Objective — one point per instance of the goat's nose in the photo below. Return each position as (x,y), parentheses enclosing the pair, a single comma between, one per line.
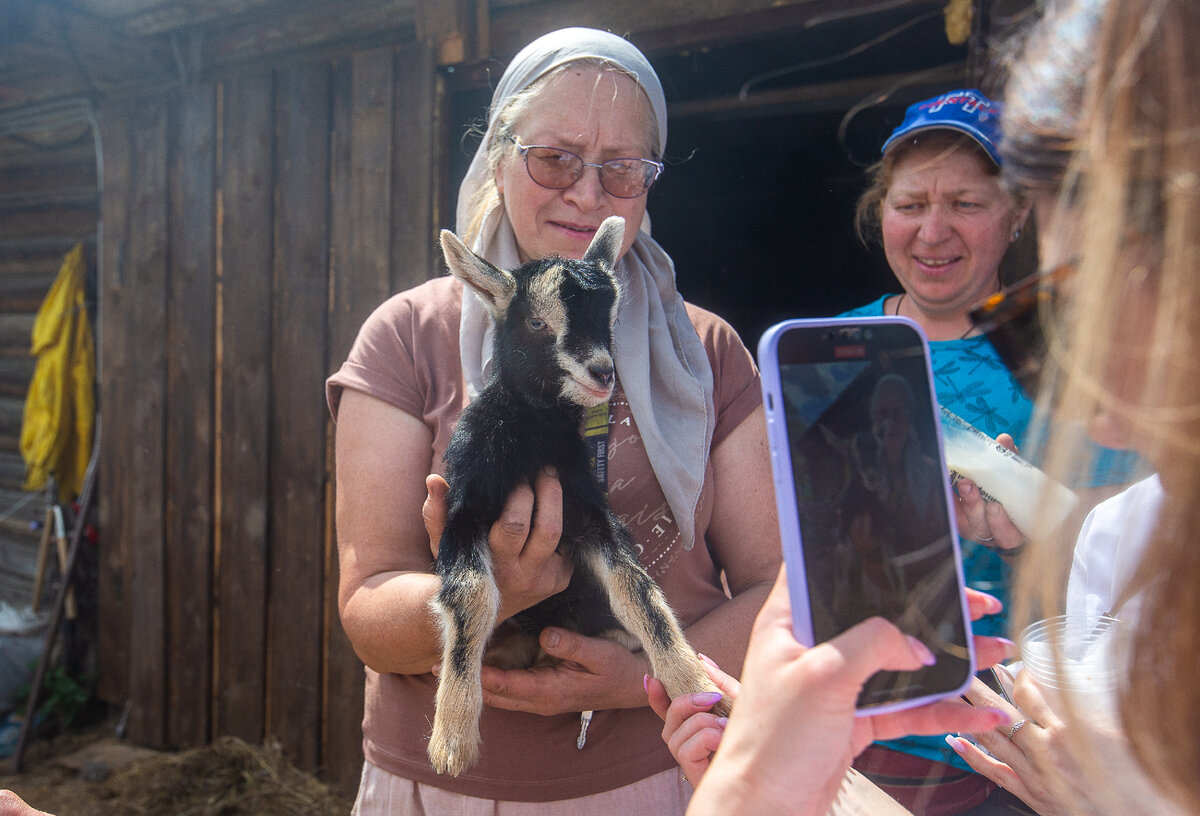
(602,373)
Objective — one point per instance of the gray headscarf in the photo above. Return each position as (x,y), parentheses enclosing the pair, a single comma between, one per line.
(663,367)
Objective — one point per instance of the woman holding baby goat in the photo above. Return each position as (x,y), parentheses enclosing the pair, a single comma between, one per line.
(576,133)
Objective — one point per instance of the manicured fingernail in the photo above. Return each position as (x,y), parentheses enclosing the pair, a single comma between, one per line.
(646,682)
(705,698)
(956,743)
(921,651)
(722,722)
(706,659)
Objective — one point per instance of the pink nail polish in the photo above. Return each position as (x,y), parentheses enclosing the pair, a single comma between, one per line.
(955,743)
(921,651)
(705,698)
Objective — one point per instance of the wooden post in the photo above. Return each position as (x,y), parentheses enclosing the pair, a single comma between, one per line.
(457,29)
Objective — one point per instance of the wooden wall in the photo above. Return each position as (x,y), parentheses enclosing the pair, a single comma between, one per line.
(48,203)
(249,226)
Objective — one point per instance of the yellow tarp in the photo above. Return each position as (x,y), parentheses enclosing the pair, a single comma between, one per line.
(56,433)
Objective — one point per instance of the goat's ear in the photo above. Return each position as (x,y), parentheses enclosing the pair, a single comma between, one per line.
(606,244)
(495,287)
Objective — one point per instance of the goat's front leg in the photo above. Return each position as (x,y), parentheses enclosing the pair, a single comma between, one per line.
(466,606)
(642,609)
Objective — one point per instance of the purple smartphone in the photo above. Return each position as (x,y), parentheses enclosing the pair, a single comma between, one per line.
(863,495)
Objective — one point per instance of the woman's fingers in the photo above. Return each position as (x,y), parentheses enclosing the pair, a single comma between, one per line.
(433,511)
(980,604)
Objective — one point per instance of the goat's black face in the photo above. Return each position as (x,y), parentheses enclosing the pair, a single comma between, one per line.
(556,340)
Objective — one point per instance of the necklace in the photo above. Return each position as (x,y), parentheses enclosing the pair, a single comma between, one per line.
(896,313)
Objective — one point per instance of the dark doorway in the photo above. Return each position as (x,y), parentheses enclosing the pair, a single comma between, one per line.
(756,205)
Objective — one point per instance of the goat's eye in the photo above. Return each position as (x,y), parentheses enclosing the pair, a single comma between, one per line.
(536,323)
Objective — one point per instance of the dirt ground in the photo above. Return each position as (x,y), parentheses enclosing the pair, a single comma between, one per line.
(95,774)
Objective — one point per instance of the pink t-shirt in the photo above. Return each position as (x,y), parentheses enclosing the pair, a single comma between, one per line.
(407,355)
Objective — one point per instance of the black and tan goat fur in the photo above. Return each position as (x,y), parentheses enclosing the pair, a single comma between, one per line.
(552,359)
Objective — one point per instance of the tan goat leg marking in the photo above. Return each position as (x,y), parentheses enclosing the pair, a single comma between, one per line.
(642,608)
(454,743)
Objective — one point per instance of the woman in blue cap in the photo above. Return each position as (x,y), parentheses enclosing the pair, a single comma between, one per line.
(939,207)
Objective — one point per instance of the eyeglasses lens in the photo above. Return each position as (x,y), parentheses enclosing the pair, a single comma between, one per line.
(559,169)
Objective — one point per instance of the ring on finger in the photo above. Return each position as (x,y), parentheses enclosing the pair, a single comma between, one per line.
(1015,728)
(987,540)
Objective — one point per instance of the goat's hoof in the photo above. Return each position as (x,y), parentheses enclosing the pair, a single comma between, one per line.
(452,753)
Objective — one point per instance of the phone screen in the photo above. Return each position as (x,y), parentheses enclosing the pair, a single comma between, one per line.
(864,494)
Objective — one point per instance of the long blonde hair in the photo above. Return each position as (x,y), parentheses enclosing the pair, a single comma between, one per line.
(1104,104)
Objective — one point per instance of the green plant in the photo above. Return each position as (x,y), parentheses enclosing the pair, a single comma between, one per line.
(62,699)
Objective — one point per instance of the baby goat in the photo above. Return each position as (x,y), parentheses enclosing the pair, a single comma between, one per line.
(551,359)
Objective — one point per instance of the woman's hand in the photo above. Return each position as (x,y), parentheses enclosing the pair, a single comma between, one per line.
(13,805)
(690,729)
(984,521)
(524,540)
(1039,761)
(591,673)
(693,733)
(793,732)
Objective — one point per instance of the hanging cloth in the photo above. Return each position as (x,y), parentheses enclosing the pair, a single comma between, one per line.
(56,432)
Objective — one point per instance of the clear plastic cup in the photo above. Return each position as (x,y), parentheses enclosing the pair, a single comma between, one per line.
(1076,655)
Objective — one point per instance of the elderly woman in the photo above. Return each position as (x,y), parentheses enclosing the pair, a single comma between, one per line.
(576,133)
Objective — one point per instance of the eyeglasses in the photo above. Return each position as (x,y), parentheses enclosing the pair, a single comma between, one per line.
(557,169)
(1011,321)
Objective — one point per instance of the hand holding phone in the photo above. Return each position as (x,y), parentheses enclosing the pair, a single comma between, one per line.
(863,495)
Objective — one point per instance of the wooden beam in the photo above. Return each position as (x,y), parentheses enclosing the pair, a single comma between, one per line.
(457,29)
(343,22)
(815,98)
(668,24)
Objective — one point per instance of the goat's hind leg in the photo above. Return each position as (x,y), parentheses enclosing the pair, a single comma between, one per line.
(639,603)
(466,605)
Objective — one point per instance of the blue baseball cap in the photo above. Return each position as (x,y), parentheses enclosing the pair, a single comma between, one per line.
(967,111)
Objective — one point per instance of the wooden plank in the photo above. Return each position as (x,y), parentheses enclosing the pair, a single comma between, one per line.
(414,203)
(297,476)
(457,29)
(49,184)
(190,404)
(150,17)
(69,219)
(133,336)
(348,22)
(15,334)
(12,410)
(143,403)
(243,400)
(15,376)
(116,458)
(341,748)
